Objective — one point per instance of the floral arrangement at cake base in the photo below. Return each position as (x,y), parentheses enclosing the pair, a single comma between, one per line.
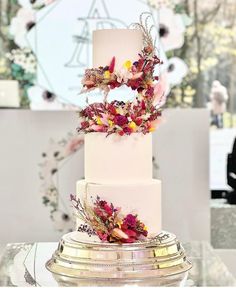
(107,222)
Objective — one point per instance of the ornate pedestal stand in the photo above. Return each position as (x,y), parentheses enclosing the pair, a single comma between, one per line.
(157,261)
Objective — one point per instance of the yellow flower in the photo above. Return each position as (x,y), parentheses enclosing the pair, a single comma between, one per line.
(145,228)
(132,125)
(98,120)
(128,64)
(110,122)
(107,74)
(151,129)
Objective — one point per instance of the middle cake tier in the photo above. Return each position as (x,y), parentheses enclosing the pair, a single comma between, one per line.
(114,159)
(143,199)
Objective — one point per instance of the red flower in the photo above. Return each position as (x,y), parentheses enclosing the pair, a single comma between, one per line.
(114,84)
(127,130)
(138,121)
(112,109)
(130,233)
(112,65)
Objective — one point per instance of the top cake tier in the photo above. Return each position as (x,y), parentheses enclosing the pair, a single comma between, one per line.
(115,159)
(124,44)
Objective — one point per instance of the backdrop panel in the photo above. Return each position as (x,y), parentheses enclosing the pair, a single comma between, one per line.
(180,148)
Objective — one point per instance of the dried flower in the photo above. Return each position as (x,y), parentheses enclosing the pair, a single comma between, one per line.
(107,222)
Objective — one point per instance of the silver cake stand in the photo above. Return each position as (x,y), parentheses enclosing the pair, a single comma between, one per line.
(160,260)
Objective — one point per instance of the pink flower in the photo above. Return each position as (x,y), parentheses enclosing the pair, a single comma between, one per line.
(108,209)
(74,145)
(98,212)
(97,128)
(102,236)
(161,89)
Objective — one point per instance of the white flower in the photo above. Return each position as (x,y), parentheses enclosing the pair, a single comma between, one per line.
(123,75)
(176,71)
(34,4)
(62,221)
(41,99)
(161,90)
(171,29)
(20,24)
(24,58)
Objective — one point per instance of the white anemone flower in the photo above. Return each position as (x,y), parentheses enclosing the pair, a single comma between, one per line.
(171,29)
(34,3)
(161,90)
(41,99)
(176,71)
(62,221)
(20,24)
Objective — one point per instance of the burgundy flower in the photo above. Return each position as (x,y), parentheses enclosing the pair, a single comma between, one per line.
(127,130)
(120,120)
(130,220)
(102,203)
(145,233)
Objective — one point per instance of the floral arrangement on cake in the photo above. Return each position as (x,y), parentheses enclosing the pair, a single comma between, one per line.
(107,222)
(140,115)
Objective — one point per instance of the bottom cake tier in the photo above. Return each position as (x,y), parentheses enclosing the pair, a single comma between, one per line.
(143,200)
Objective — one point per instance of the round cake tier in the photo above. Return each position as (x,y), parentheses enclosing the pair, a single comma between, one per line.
(142,199)
(114,159)
(108,43)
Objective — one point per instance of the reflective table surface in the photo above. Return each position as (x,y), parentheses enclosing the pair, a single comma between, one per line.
(24,265)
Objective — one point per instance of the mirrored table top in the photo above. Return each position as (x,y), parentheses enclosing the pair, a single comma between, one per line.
(23,264)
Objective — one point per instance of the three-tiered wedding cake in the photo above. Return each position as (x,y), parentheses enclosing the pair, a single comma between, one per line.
(119,168)
(118,204)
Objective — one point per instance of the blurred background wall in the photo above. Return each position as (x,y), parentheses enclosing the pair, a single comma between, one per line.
(26,136)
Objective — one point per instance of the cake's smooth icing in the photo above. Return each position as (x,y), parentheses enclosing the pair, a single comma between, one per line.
(114,159)
(124,44)
(118,169)
(143,199)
